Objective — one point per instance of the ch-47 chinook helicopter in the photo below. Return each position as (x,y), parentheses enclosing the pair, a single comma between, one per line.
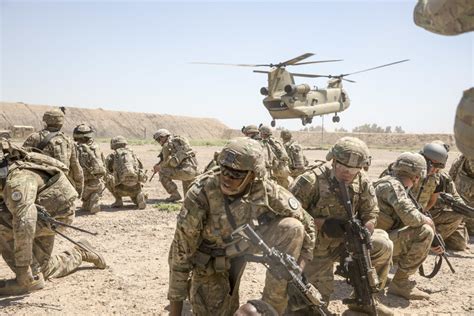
(286,100)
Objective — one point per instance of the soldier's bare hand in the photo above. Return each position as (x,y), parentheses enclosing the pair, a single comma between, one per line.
(370,227)
(429,221)
(438,250)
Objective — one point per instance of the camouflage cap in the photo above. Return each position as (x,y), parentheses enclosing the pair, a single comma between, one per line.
(285,134)
(161,133)
(436,153)
(265,130)
(446,17)
(54,118)
(243,154)
(118,142)
(83,131)
(410,164)
(350,151)
(250,129)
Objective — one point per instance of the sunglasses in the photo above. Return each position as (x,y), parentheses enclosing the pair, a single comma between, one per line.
(232,173)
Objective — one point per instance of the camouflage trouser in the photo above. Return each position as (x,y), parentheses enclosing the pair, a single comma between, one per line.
(52,266)
(93,189)
(212,293)
(449,225)
(320,271)
(186,173)
(470,225)
(119,191)
(411,246)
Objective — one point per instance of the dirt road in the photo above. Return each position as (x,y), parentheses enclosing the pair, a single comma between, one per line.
(136,242)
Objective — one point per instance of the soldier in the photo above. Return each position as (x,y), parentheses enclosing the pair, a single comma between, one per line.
(276,157)
(410,231)
(216,204)
(452,17)
(178,162)
(251,131)
(26,243)
(125,174)
(317,190)
(54,143)
(462,173)
(297,160)
(91,160)
(448,223)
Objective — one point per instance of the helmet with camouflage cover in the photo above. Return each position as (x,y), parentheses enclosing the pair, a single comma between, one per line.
(118,142)
(265,130)
(436,153)
(250,129)
(162,132)
(54,118)
(349,151)
(285,135)
(243,154)
(82,131)
(410,165)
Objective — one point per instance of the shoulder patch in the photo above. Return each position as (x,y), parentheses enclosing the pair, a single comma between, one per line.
(293,203)
(16,196)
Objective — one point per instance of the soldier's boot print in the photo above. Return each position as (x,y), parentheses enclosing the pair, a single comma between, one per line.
(12,287)
(89,254)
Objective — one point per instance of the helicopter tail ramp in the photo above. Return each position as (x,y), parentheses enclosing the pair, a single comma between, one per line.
(113,123)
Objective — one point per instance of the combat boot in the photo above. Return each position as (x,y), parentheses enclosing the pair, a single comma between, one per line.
(118,203)
(406,289)
(12,287)
(175,197)
(380,309)
(89,254)
(141,201)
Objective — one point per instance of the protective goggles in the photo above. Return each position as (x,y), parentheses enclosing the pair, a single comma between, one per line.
(346,168)
(232,173)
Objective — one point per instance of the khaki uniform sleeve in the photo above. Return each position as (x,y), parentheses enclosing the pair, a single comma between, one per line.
(451,189)
(397,198)
(75,170)
(368,207)
(31,141)
(305,189)
(283,203)
(187,239)
(453,171)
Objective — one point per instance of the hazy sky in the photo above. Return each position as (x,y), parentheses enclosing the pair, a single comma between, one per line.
(134,56)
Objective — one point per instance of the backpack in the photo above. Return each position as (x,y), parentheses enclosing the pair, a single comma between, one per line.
(126,167)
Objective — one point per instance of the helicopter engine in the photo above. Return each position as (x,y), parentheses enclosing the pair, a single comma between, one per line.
(300,89)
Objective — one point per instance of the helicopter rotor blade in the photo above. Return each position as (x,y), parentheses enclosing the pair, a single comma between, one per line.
(373,68)
(237,65)
(295,60)
(317,62)
(262,71)
(308,75)
(348,80)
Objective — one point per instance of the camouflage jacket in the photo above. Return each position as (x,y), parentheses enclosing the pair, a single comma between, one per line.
(318,191)
(431,185)
(63,149)
(396,208)
(177,150)
(203,220)
(447,186)
(91,160)
(462,173)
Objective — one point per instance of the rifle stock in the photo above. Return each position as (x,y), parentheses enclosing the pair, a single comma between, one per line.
(457,207)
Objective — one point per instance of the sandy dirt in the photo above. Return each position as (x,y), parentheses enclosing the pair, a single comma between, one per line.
(135,244)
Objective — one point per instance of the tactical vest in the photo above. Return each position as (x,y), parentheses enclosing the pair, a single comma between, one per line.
(178,149)
(465,184)
(90,161)
(295,154)
(428,189)
(59,147)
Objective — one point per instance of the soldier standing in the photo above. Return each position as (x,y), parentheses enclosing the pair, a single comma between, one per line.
(297,160)
(410,231)
(177,162)
(216,204)
(125,174)
(276,157)
(51,141)
(318,191)
(27,243)
(91,160)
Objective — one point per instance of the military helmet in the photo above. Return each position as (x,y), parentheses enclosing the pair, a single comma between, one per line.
(350,151)
(118,142)
(161,133)
(54,118)
(285,134)
(265,130)
(410,164)
(82,131)
(243,154)
(436,153)
(250,129)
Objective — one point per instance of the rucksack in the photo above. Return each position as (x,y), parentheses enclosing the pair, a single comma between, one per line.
(126,167)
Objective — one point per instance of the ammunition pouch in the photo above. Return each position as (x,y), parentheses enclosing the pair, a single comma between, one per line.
(57,195)
(385,222)
(202,257)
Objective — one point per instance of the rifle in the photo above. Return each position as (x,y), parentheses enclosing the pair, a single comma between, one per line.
(284,266)
(160,159)
(457,207)
(356,265)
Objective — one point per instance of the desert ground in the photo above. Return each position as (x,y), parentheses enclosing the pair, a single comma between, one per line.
(135,244)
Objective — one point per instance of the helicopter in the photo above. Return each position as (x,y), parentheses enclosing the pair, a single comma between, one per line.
(286,100)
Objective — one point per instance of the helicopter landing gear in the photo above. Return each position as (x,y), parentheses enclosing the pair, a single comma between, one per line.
(336,119)
(306,120)
(273,123)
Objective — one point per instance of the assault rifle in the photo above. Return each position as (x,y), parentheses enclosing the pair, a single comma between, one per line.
(160,160)
(457,207)
(356,266)
(284,266)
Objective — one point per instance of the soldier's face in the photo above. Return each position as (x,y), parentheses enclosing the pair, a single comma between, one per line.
(232,181)
(345,173)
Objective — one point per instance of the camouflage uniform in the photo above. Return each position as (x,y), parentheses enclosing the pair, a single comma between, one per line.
(203,245)
(452,17)
(178,162)
(297,160)
(58,146)
(26,244)
(276,157)
(462,173)
(113,184)
(91,160)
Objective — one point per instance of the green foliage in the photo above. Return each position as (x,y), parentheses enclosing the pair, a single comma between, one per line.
(340,130)
(317,128)
(374,128)
(168,207)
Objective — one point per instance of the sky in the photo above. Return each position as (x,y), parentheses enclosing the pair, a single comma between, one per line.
(136,56)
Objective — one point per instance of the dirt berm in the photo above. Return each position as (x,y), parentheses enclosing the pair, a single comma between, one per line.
(112,123)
